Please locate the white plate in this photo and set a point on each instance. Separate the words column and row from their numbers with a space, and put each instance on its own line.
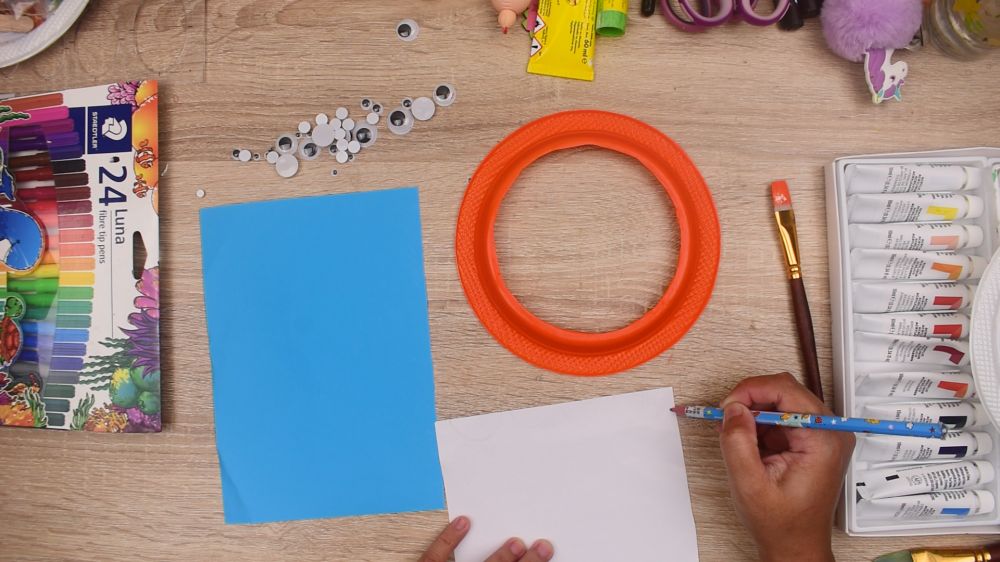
column 984, row 339
column 21, row 47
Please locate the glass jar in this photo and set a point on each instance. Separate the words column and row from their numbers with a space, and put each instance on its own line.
column 964, row 29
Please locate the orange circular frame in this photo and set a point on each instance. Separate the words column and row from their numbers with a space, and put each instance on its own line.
column 568, row 351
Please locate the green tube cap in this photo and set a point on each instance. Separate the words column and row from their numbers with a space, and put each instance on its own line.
column 611, row 23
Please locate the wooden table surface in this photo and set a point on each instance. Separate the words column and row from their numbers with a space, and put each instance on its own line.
column 586, row 239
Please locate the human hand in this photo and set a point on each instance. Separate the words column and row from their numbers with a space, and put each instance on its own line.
column 785, row 482
column 514, row 550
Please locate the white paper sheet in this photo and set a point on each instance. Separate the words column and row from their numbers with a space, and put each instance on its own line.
column 602, row 479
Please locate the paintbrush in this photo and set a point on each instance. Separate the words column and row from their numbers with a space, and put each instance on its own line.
column 785, row 218
column 984, row 554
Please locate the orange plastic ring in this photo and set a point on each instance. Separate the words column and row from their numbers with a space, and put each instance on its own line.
column 568, row 351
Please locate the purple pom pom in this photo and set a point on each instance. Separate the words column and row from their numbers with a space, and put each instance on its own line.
column 852, row 27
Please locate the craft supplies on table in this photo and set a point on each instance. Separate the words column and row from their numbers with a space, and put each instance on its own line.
column 602, row 479
column 909, row 237
column 16, row 47
column 79, row 240
column 347, row 428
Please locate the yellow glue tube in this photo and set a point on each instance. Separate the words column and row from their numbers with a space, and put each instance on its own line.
column 563, row 42
column 612, row 16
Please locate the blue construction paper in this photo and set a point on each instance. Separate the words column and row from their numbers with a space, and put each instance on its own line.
column 321, row 359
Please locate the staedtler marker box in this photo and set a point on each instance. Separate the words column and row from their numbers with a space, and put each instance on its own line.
column 79, row 259
column 946, row 203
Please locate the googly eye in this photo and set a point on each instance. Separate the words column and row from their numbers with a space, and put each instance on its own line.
column 423, row 109
column 305, row 127
column 343, row 157
column 365, row 135
column 200, row 193
column 272, row 156
column 348, row 124
column 342, row 145
column 378, row 108
column 340, row 134
column 322, row 118
column 256, row 156
column 366, row 104
column 353, row 147
column 444, row 95
column 372, row 118
column 324, row 135
column 342, row 113
column 236, row 154
column 287, row 143
column 400, row 121
column 350, row 157
column 333, row 172
column 287, row 165
column 407, row 30
column 407, row 103
column 309, row 150
column 245, row 155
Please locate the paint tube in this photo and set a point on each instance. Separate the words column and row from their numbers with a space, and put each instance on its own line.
column 950, row 325
column 927, row 236
column 952, row 384
column 882, row 348
column 954, row 414
column 913, row 207
column 563, row 40
column 906, row 178
column 914, row 265
column 909, row 480
column 939, row 505
column 903, row 448
column 911, row 297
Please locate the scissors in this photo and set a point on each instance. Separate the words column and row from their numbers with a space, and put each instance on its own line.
column 687, row 17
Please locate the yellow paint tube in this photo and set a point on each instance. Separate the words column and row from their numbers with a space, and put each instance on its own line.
column 612, row 17
column 563, row 41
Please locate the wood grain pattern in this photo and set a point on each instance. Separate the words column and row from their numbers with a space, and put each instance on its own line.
column 586, row 239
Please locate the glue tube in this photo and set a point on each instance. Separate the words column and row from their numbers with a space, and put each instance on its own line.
column 928, row 236
column 612, row 17
column 563, row 41
column 949, row 325
column 909, row 480
column 914, row 265
column 940, row 505
column 906, row 178
column 911, row 297
column 950, row 384
column 954, row 414
column 904, row 448
column 913, row 207
column 882, row 348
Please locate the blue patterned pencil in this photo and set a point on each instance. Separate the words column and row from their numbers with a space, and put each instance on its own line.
column 814, row 421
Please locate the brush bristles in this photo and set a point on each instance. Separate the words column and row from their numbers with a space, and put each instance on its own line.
column 780, row 196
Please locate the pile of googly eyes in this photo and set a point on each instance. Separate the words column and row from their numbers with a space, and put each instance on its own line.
column 342, row 137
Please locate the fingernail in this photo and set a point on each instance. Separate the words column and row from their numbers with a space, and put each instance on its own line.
column 544, row 549
column 461, row 523
column 731, row 412
column 516, row 547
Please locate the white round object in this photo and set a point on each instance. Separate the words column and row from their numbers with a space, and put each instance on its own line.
column 400, row 121
column 365, row 135
column 245, row 155
column 372, row 118
column 340, row 134
column 423, row 109
column 26, row 45
column 984, row 339
column 342, row 113
column 444, row 95
column 271, row 156
column 324, row 135
column 348, row 124
column 200, row 193
column 342, row 145
column 336, row 123
column 305, row 127
column 287, row 165
column 342, row 157
column 354, row 147
column 407, row 30
column 286, row 144
column 322, row 118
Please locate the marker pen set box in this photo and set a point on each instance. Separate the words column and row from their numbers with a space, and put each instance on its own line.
column 79, row 260
column 911, row 236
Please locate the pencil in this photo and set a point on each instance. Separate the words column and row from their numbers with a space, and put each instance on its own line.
column 831, row 423
column 785, row 218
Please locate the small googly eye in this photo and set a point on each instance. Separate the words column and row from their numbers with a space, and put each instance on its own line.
column 271, row 156
column 332, row 149
column 407, row 30
column 366, row 103
column 236, row 154
column 309, row 150
column 245, row 155
column 444, row 95
column 400, row 121
column 333, row 172
column 407, row 103
column 366, row 135
column 256, row 156
column 286, row 143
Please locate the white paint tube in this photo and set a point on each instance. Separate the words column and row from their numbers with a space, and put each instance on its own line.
column 914, row 265
column 950, row 325
column 926, row 236
column 907, row 178
column 911, row 297
column 939, row 506
column 954, row 414
column 882, row 348
column 913, row 207
column 938, row 384
column 902, row 448
column 921, row 479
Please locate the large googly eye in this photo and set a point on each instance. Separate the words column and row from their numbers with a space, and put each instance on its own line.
column 324, row 135
column 287, row 165
column 444, row 95
column 423, row 109
column 365, row 135
column 286, row 144
column 309, row 150
column 407, row 30
column 400, row 121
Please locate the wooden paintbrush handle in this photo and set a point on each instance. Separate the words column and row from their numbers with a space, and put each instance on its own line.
column 807, row 337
